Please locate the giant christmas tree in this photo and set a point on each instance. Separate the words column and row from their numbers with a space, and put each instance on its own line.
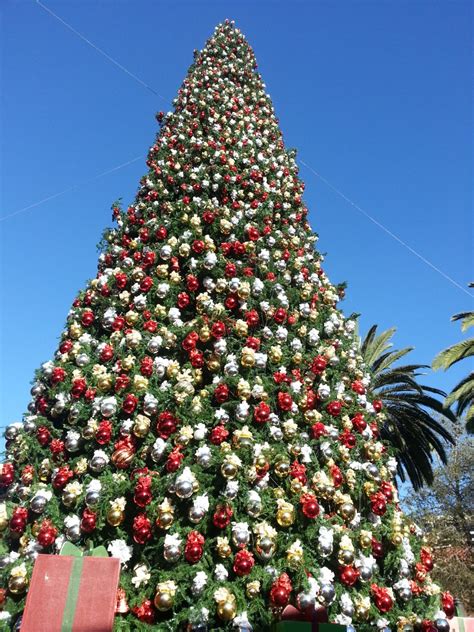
column 206, row 416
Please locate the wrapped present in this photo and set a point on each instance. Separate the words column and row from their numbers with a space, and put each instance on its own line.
column 309, row 620
column 72, row 592
column 461, row 624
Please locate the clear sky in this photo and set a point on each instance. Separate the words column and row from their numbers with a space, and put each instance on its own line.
column 376, row 97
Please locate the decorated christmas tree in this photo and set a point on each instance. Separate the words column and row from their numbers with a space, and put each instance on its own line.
column 206, row 416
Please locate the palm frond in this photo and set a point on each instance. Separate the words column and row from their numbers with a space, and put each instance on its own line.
column 450, row 356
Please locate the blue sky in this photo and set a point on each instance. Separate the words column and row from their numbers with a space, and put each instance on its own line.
column 374, row 95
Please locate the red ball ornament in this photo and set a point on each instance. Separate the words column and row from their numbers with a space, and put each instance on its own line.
column 88, row 522
column 261, row 413
column 222, row 516
column 221, row 393
column 447, row 601
column 7, row 474
column 309, row 505
column 334, row 408
column 243, row 563
column 47, row 534
column 349, row 575
column 193, row 553
column 285, row 401
column 141, row 529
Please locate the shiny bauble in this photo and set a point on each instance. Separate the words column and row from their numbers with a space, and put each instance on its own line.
column 29, row 426
column 98, row 463
column 204, row 460
column 304, row 601
column 252, row 590
column 373, row 472
column 150, row 407
column 397, row 539
column 345, row 557
column 325, row 549
column 265, row 549
column 282, row 469
column 23, row 492
column 104, row 384
column 17, row 585
column 254, row 508
column 347, row 511
column 108, row 408
column 172, row 553
column 154, row 345
column 184, row 489
column 88, row 432
column 348, row 609
column 196, row 514
column 407, row 627
column 73, row 533
column 404, row 572
column 229, row 470
column 72, row 444
column 82, row 360
column 226, row 610
column 223, row 549
column 11, row 432
column 141, row 427
column 37, row 389
column 68, row 498
column 165, row 519
column 241, row 538
column 327, row 593
column 365, row 541
column 404, row 594
column 442, row 625
column 3, row 523
column 122, row 458
column 361, row 611
column 38, row 504
column 115, row 516
column 163, row 601
column 92, row 498
column 285, row 517
column 365, row 573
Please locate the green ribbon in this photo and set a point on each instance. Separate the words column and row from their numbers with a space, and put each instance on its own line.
column 72, row 594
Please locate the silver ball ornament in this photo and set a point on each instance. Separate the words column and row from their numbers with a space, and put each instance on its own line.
column 92, row 498
column 348, row 609
column 98, row 463
column 37, row 389
column 82, row 360
column 254, row 508
column 108, row 408
column 346, row 557
column 404, row 594
column 72, row 444
column 325, row 549
column 150, row 407
column 38, row 504
column 12, row 431
column 204, row 460
column 196, row 514
column 73, row 533
column 365, row 573
column 442, row 625
column 327, row 593
column 32, row 407
column 4, row 561
column 304, row 601
column 29, row 426
column 172, row 553
column 184, row 489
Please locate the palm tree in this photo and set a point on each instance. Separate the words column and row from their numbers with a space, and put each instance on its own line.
column 414, row 416
column 463, row 393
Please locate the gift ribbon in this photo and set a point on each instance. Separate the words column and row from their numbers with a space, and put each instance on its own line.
column 72, row 594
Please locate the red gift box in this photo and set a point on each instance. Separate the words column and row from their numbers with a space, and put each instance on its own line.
column 72, row 594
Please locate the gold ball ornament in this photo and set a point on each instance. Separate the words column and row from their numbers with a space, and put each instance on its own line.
column 361, row 611
column 227, row 610
column 204, row 334
column 163, row 601
column 115, row 516
column 165, row 519
column 229, row 470
column 3, row 523
column 223, row 549
column 141, row 427
column 347, row 511
column 296, row 486
column 17, row 585
column 69, row 499
column 365, row 541
column 104, row 383
column 282, row 468
column 286, row 516
column 397, row 538
column 75, row 331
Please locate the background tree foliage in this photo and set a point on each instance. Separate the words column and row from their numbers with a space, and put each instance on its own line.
column 445, row 511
